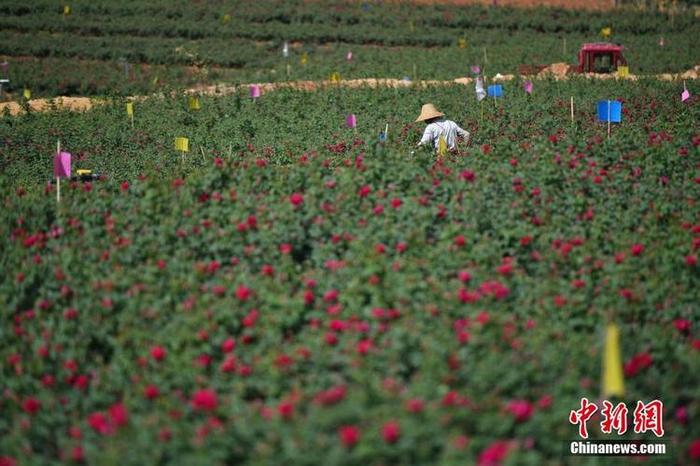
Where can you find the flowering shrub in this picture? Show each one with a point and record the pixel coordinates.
(106, 48)
(255, 305)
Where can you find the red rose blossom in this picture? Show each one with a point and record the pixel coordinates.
(31, 405)
(494, 454)
(158, 353)
(349, 435)
(391, 431)
(694, 449)
(204, 400)
(296, 199)
(521, 410)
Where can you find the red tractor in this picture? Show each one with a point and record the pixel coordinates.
(595, 57)
(600, 57)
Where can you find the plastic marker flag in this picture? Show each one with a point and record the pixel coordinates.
(475, 69)
(27, 94)
(462, 43)
(226, 18)
(496, 90)
(480, 92)
(335, 77)
(610, 111)
(685, 95)
(193, 103)
(285, 50)
(66, 10)
(130, 109)
(527, 86)
(351, 121)
(255, 91)
(61, 165)
(442, 146)
(613, 382)
(623, 71)
(606, 32)
(304, 58)
(348, 57)
(182, 144)
(384, 134)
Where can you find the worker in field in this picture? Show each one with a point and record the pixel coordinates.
(440, 133)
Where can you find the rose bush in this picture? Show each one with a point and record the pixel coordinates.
(181, 44)
(273, 300)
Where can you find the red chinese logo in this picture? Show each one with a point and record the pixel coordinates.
(646, 417)
(582, 416)
(614, 418)
(649, 417)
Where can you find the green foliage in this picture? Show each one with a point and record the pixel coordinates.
(194, 45)
(159, 253)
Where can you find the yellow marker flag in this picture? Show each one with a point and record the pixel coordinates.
(66, 10)
(226, 18)
(462, 43)
(606, 32)
(27, 94)
(130, 109)
(335, 77)
(623, 71)
(442, 146)
(304, 58)
(613, 382)
(182, 144)
(193, 103)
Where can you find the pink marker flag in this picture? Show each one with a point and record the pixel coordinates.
(255, 91)
(685, 95)
(527, 85)
(61, 165)
(349, 55)
(351, 121)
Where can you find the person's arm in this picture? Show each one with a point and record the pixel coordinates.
(427, 137)
(463, 133)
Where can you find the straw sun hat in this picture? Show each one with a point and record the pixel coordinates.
(429, 111)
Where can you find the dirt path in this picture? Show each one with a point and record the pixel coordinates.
(558, 71)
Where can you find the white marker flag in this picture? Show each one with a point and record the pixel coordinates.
(480, 92)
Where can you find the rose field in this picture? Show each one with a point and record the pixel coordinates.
(294, 291)
(103, 47)
(322, 298)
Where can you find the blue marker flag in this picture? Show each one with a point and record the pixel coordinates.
(610, 110)
(496, 90)
(382, 137)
